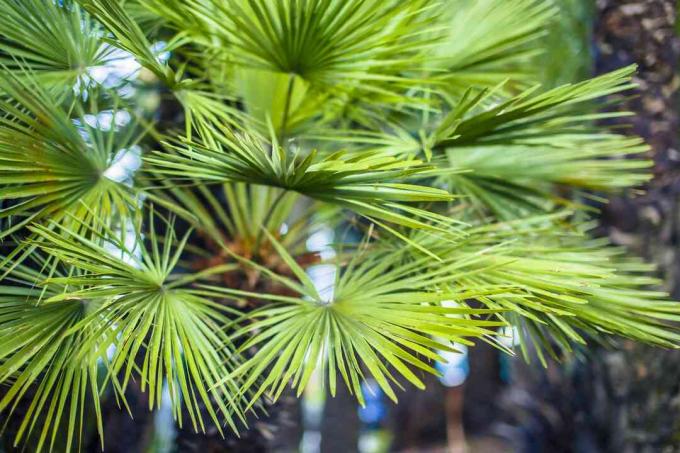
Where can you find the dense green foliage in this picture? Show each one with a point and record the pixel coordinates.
(418, 124)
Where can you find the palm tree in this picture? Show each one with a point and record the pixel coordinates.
(163, 164)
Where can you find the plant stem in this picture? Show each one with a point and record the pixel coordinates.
(286, 108)
(267, 216)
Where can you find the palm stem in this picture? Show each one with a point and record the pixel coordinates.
(286, 108)
(267, 216)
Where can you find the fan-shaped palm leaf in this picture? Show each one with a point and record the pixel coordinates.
(327, 42)
(45, 353)
(162, 330)
(56, 40)
(570, 287)
(380, 318)
(52, 166)
(358, 181)
(507, 156)
(499, 47)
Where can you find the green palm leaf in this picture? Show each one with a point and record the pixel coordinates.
(508, 157)
(52, 167)
(47, 354)
(358, 181)
(499, 47)
(130, 37)
(570, 288)
(163, 331)
(326, 42)
(380, 318)
(59, 43)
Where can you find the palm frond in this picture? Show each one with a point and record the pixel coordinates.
(360, 182)
(381, 318)
(52, 166)
(571, 288)
(508, 156)
(481, 119)
(46, 354)
(56, 40)
(163, 331)
(130, 37)
(326, 42)
(318, 59)
(520, 180)
(499, 47)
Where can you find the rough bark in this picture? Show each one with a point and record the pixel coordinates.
(340, 423)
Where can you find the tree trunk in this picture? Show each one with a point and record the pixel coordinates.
(340, 423)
